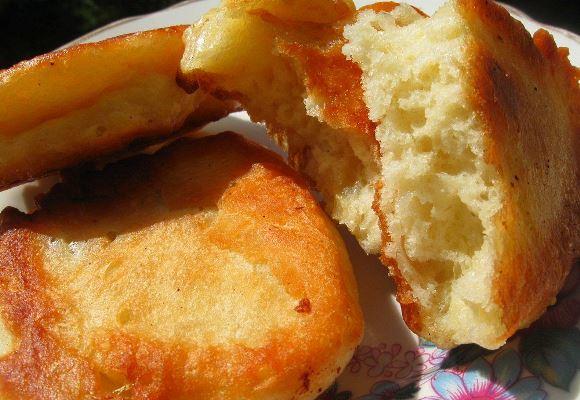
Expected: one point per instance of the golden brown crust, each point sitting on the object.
(527, 95)
(387, 6)
(203, 200)
(318, 12)
(94, 99)
(335, 82)
(22, 76)
(25, 309)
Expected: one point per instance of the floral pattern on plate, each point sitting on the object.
(534, 362)
(500, 379)
(392, 363)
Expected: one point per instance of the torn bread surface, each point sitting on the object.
(241, 52)
(465, 196)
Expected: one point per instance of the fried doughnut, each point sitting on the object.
(475, 125)
(204, 271)
(93, 100)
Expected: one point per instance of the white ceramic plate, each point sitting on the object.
(392, 362)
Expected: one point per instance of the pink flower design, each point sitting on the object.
(378, 364)
(413, 365)
(482, 380)
(436, 356)
(380, 360)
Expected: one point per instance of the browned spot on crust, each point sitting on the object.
(381, 6)
(387, 6)
(305, 382)
(304, 306)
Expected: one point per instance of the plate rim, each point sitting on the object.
(512, 10)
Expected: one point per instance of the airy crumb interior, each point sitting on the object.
(439, 196)
(342, 169)
(270, 89)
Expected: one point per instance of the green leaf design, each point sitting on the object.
(332, 394)
(343, 396)
(462, 355)
(407, 391)
(347, 395)
(552, 354)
